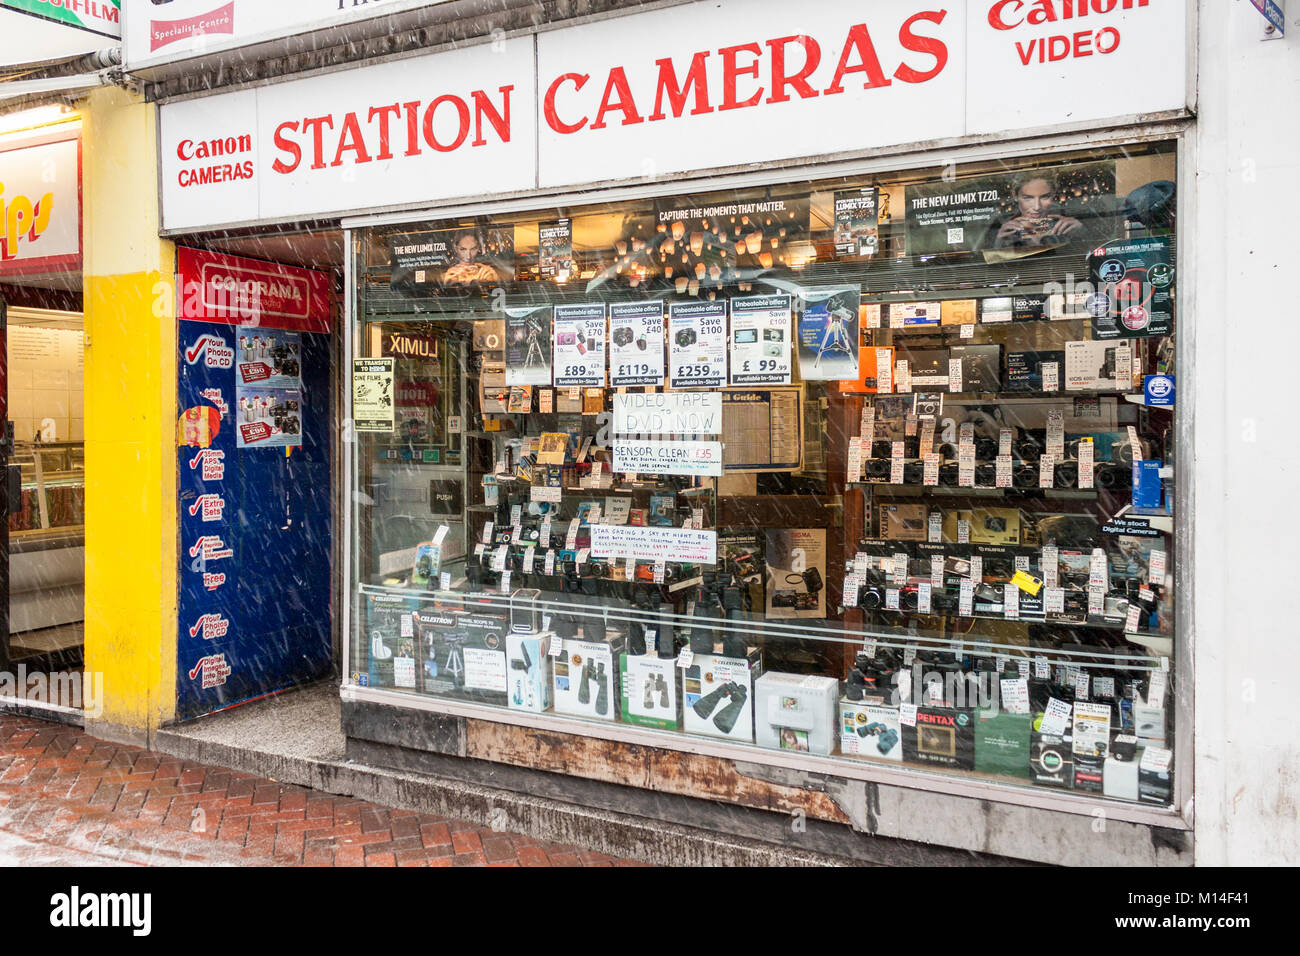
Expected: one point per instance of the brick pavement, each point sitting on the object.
(67, 797)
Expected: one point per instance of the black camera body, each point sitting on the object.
(685, 338)
(623, 336)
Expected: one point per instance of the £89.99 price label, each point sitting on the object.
(697, 344)
(579, 354)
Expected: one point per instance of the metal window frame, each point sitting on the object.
(1180, 131)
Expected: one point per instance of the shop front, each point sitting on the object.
(778, 412)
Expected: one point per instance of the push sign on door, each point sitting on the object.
(1159, 390)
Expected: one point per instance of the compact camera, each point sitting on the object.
(773, 335)
(685, 338)
(565, 338)
(623, 336)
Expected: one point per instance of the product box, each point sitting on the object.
(942, 736)
(871, 362)
(904, 522)
(461, 653)
(981, 367)
(912, 315)
(428, 562)
(1002, 742)
(995, 309)
(391, 651)
(649, 691)
(928, 368)
(529, 672)
(1147, 487)
(1120, 777)
(958, 312)
(1025, 369)
(1029, 308)
(1149, 724)
(1093, 365)
(795, 712)
(986, 525)
(585, 678)
(718, 695)
(1155, 776)
(870, 730)
(1051, 760)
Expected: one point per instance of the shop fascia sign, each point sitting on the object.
(95, 16)
(694, 87)
(168, 30)
(40, 205)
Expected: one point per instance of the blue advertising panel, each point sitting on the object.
(254, 575)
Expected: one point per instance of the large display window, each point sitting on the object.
(872, 469)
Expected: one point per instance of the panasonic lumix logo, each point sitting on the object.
(76, 909)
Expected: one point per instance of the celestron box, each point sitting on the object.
(718, 695)
(870, 730)
(586, 678)
(462, 654)
(529, 672)
(649, 691)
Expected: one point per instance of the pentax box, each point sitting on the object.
(942, 736)
(718, 695)
(585, 679)
(649, 691)
(904, 522)
(795, 712)
(870, 730)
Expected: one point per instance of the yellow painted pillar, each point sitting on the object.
(130, 409)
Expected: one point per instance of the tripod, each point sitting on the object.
(836, 337)
(534, 346)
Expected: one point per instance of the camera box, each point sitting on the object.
(1051, 760)
(928, 368)
(649, 691)
(1090, 730)
(718, 695)
(461, 653)
(985, 525)
(913, 315)
(1029, 308)
(941, 736)
(981, 367)
(585, 678)
(529, 672)
(1002, 742)
(958, 312)
(1149, 724)
(870, 730)
(904, 522)
(1093, 365)
(1155, 776)
(795, 712)
(1025, 369)
(995, 309)
(871, 363)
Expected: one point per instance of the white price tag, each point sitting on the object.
(1054, 600)
(651, 640)
(1156, 684)
(556, 648)
(516, 515)
(895, 316)
(934, 528)
(884, 371)
(963, 531)
(1051, 377)
(444, 580)
(1004, 441)
(1011, 602)
(407, 626)
(966, 597)
(1022, 665)
(440, 534)
(873, 315)
(1056, 719)
(530, 555)
(686, 658)
(923, 597)
(478, 550)
(629, 573)
(954, 375)
(571, 538)
(902, 376)
(698, 515)
(861, 562)
(927, 435)
(545, 536)
(966, 466)
(1081, 682)
(583, 555)
(1098, 575)
(1056, 433)
(499, 559)
(936, 570)
(909, 655)
(548, 565)
(907, 715)
(1015, 695)
(1131, 621)
(896, 449)
(1003, 474)
(488, 527)
(659, 572)
(1042, 669)
(1124, 371)
(1096, 601)
(891, 599)
(1047, 471)
(895, 471)
(505, 582)
(1050, 562)
(977, 568)
(1134, 445)
(853, 468)
(968, 331)
(900, 568)
(1103, 686)
(1146, 594)
(1156, 568)
(1086, 469)
(851, 585)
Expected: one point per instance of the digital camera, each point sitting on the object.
(685, 338)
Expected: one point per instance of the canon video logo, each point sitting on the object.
(76, 909)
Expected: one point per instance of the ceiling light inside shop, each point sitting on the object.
(36, 116)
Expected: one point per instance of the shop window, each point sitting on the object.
(872, 468)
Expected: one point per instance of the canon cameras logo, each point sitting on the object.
(75, 909)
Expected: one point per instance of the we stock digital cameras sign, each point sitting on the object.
(695, 87)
